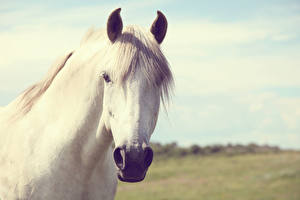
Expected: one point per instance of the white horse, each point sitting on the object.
(56, 137)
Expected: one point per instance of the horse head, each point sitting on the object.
(136, 78)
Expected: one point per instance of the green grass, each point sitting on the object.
(244, 177)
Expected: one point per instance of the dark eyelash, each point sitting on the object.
(106, 77)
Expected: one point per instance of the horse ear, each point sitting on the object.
(114, 25)
(159, 27)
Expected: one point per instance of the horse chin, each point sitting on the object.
(130, 179)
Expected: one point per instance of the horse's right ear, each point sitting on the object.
(114, 25)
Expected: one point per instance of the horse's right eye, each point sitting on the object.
(106, 77)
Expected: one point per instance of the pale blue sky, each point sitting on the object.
(236, 63)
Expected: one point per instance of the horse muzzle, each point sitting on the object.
(132, 163)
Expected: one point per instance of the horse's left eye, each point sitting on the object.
(106, 77)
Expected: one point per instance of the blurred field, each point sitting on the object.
(272, 176)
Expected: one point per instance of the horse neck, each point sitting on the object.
(75, 94)
(73, 105)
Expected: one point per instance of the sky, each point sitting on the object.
(236, 64)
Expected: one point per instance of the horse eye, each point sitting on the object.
(106, 78)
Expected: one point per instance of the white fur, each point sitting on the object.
(61, 147)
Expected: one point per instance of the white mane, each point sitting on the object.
(134, 48)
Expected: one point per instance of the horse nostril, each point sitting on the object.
(148, 156)
(119, 157)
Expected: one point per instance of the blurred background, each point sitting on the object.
(232, 130)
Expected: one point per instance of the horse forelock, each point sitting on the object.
(137, 49)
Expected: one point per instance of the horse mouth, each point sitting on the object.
(130, 179)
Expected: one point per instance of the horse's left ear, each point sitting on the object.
(114, 25)
(159, 27)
